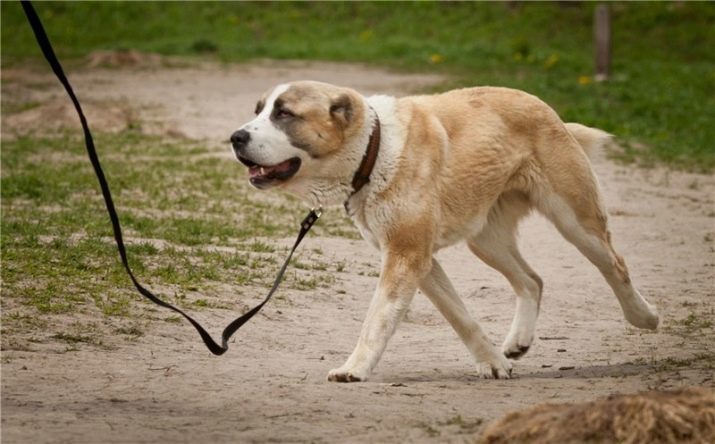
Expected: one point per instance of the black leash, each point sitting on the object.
(214, 347)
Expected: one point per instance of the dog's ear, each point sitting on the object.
(341, 109)
(259, 106)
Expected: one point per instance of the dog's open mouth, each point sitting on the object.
(262, 175)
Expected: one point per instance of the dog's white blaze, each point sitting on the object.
(269, 145)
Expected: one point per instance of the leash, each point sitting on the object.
(46, 47)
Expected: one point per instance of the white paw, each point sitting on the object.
(517, 344)
(645, 317)
(344, 375)
(498, 368)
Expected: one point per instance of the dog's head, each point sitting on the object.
(303, 136)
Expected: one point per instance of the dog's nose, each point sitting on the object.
(240, 138)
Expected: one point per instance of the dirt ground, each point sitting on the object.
(271, 385)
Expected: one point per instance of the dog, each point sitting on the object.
(420, 173)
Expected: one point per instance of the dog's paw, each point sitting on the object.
(515, 349)
(517, 343)
(644, 316)
(342, 375)
(498, 368)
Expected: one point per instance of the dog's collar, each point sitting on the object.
(362, 175)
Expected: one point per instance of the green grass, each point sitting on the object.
(192, 223)
(661, 99)
(179, 201)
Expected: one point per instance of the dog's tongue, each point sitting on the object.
(265, 171)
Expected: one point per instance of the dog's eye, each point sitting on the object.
(283, 113)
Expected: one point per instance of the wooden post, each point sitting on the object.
(602, 42)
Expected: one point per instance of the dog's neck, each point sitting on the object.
(362, 175)
(362, 156)
(353, 174)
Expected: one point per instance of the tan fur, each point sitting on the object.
(322, 132)
(682, 416)
(465, 165)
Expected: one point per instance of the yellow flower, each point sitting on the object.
(584, 80)
(366, 35)
(436, 58)
(551, 61)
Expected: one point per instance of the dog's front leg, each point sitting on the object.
(395, 290)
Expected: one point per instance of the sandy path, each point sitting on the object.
(271, 386)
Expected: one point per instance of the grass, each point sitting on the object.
(694, 323)
(660, 100)
(192, 225)
(179, 201)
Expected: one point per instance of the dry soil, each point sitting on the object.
(271, 385)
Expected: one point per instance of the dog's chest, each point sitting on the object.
(369, 234)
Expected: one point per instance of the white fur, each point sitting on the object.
(364, 205)
(269, 145)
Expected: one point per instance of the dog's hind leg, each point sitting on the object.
(490, 363)
(580, 217)
(496, 245)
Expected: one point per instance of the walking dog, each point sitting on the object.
(421, 173)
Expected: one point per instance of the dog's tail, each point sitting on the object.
(590, 139)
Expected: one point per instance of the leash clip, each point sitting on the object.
(310, 219)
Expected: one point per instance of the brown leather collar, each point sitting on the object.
(362, 175)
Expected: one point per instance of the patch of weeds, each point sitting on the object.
(15, 344)
(315, 265)
(347, 232)
(18, 107)
(130, 331)
(431, 431)
(25, 320)
(173, 319)
(295, 263)
(465, 426)
(75, 338)
(704, 360)
(319, 266)
(693, 323)
(305, 284)
(113, 305)
(261, 247)
(49, 300)
(312, 282)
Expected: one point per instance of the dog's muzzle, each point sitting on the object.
(262, 176)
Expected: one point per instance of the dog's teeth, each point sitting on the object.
(262, 171)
